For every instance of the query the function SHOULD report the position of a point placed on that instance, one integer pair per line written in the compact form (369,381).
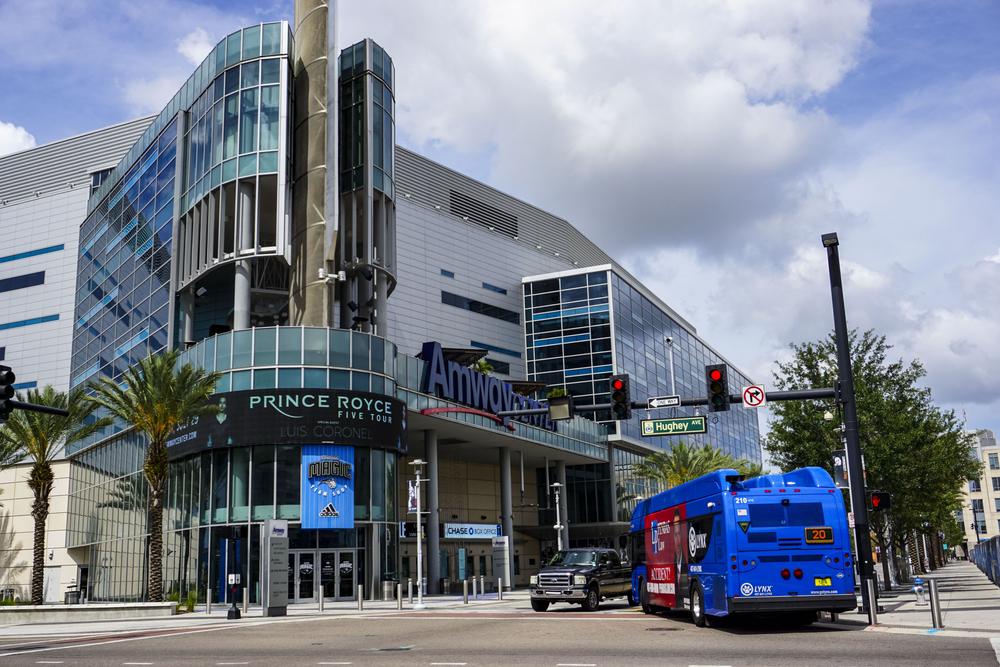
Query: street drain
(662,629)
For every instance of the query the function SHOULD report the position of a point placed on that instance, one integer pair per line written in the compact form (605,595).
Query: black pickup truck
(581,576)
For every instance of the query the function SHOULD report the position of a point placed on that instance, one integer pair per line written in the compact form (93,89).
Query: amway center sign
(296,416)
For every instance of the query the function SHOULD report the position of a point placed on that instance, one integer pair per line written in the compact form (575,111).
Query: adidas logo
(329,511)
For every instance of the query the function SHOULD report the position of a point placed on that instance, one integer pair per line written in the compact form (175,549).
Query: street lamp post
(559,527)
(418,467)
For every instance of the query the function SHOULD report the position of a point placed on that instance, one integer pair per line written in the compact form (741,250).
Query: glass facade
(214,504)
(582,327)
(356,62)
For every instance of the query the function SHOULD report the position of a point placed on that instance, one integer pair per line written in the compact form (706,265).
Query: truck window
(612,559)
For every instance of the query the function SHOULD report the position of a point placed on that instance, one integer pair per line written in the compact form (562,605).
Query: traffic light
(7,379)
(621,401)
(879,500)
(718,388)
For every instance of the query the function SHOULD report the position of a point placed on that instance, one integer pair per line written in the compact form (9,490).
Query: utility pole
(418,465)
(559,527)
(859,507)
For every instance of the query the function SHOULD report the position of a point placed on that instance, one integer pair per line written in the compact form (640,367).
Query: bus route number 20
(819,535)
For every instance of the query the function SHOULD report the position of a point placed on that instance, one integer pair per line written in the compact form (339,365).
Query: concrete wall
(17,530)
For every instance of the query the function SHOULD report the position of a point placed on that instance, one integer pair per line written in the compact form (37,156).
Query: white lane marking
(576,664)
(995,641)
(334,663)
(137,663)
(232,663)
(48,662)
(449,663)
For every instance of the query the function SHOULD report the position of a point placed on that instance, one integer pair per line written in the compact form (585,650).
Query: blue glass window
(21,282)
(475,306)
(494,288)
(447,274)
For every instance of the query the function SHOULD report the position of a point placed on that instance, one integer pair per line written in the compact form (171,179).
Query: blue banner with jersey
(327,486)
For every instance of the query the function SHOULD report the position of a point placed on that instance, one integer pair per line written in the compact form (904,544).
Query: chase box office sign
(296,416)
(327,486)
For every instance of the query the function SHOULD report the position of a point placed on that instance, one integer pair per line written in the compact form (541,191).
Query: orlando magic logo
(323,476)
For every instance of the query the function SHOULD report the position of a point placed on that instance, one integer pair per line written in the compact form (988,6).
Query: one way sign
(754,396)
(655,402)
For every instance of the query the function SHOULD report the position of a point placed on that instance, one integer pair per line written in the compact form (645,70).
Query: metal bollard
(208,602)
(475,591)
(465,591)
(246,600)
(361,597)
(500,588)
(936,619)
(409,589)
(872,602)
(320,600)
(399,596)
(482,584)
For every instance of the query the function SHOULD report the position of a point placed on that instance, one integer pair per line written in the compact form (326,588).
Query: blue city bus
(720,545)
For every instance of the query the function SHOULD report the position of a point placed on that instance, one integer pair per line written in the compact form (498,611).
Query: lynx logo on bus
(327,486)
(747,589)
(699,537)
(454,382)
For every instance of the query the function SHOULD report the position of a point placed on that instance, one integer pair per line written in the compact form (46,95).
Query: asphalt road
(564,637)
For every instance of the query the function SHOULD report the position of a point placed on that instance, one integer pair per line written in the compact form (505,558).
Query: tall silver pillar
(563,505)
(433,514)
(187,315)
(506,506)
(241,285)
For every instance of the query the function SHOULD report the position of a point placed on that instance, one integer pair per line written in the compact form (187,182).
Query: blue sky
(681,136)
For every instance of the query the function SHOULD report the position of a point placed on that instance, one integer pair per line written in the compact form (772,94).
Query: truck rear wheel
(593,599)
(540,605)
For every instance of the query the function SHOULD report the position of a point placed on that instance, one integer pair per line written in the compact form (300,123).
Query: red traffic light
(876,501)
(617,384)
(715,374)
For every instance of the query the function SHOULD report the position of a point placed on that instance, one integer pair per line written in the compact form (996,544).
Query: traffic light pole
(857,481)
(31,407)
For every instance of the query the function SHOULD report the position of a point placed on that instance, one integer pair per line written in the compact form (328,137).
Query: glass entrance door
(338,574)
(301,576)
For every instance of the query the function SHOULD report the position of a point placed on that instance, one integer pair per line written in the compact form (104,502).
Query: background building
(309,260)
(43,198)
(981,502)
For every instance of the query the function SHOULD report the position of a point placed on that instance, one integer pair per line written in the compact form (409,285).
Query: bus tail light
(785,574)
(798,573)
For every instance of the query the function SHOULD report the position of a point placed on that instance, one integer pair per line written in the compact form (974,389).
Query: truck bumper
(835,603)
(571,594)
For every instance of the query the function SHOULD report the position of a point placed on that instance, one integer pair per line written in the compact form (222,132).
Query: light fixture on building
(560,408)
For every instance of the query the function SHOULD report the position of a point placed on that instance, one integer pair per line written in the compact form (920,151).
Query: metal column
(433,514)
(507,505)
(563,507)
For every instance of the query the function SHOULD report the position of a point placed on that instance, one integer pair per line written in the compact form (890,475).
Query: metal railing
(986,556)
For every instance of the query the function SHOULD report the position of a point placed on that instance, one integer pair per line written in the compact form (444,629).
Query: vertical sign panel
(327,486)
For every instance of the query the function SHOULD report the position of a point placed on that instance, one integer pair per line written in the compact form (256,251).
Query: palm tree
(682,463)
(155,396)
(42,437)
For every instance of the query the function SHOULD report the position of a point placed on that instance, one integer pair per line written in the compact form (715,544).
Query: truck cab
(581,576)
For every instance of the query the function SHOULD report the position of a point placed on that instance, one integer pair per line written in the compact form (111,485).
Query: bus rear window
(771,515)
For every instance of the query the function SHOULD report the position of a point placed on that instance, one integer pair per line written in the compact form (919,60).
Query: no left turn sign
(754,396)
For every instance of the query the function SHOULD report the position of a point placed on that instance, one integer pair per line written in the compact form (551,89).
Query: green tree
(912,449)
(682,463)
(42,438)
(156,396)
(482,365)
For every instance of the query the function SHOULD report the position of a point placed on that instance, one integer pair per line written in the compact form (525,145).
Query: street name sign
(663,402)
(754,396)
(673,426)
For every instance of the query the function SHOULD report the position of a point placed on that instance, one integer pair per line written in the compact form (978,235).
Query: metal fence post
(936,619)
(399,596)
(872,602)
(361,597)
(465,591)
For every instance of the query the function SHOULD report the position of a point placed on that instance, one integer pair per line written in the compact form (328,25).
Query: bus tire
(698,606)
(644,597)
(593,599)
(540,605)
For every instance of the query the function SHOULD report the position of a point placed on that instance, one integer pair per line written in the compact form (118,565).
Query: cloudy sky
(705,144)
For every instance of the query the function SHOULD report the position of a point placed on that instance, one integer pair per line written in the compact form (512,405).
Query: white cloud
(148,96)
(14,138)
(195,45)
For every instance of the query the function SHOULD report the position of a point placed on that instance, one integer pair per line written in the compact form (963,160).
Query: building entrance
(331,573)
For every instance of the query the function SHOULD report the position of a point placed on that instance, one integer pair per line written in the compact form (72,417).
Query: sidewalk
(201,618)
(969,601)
